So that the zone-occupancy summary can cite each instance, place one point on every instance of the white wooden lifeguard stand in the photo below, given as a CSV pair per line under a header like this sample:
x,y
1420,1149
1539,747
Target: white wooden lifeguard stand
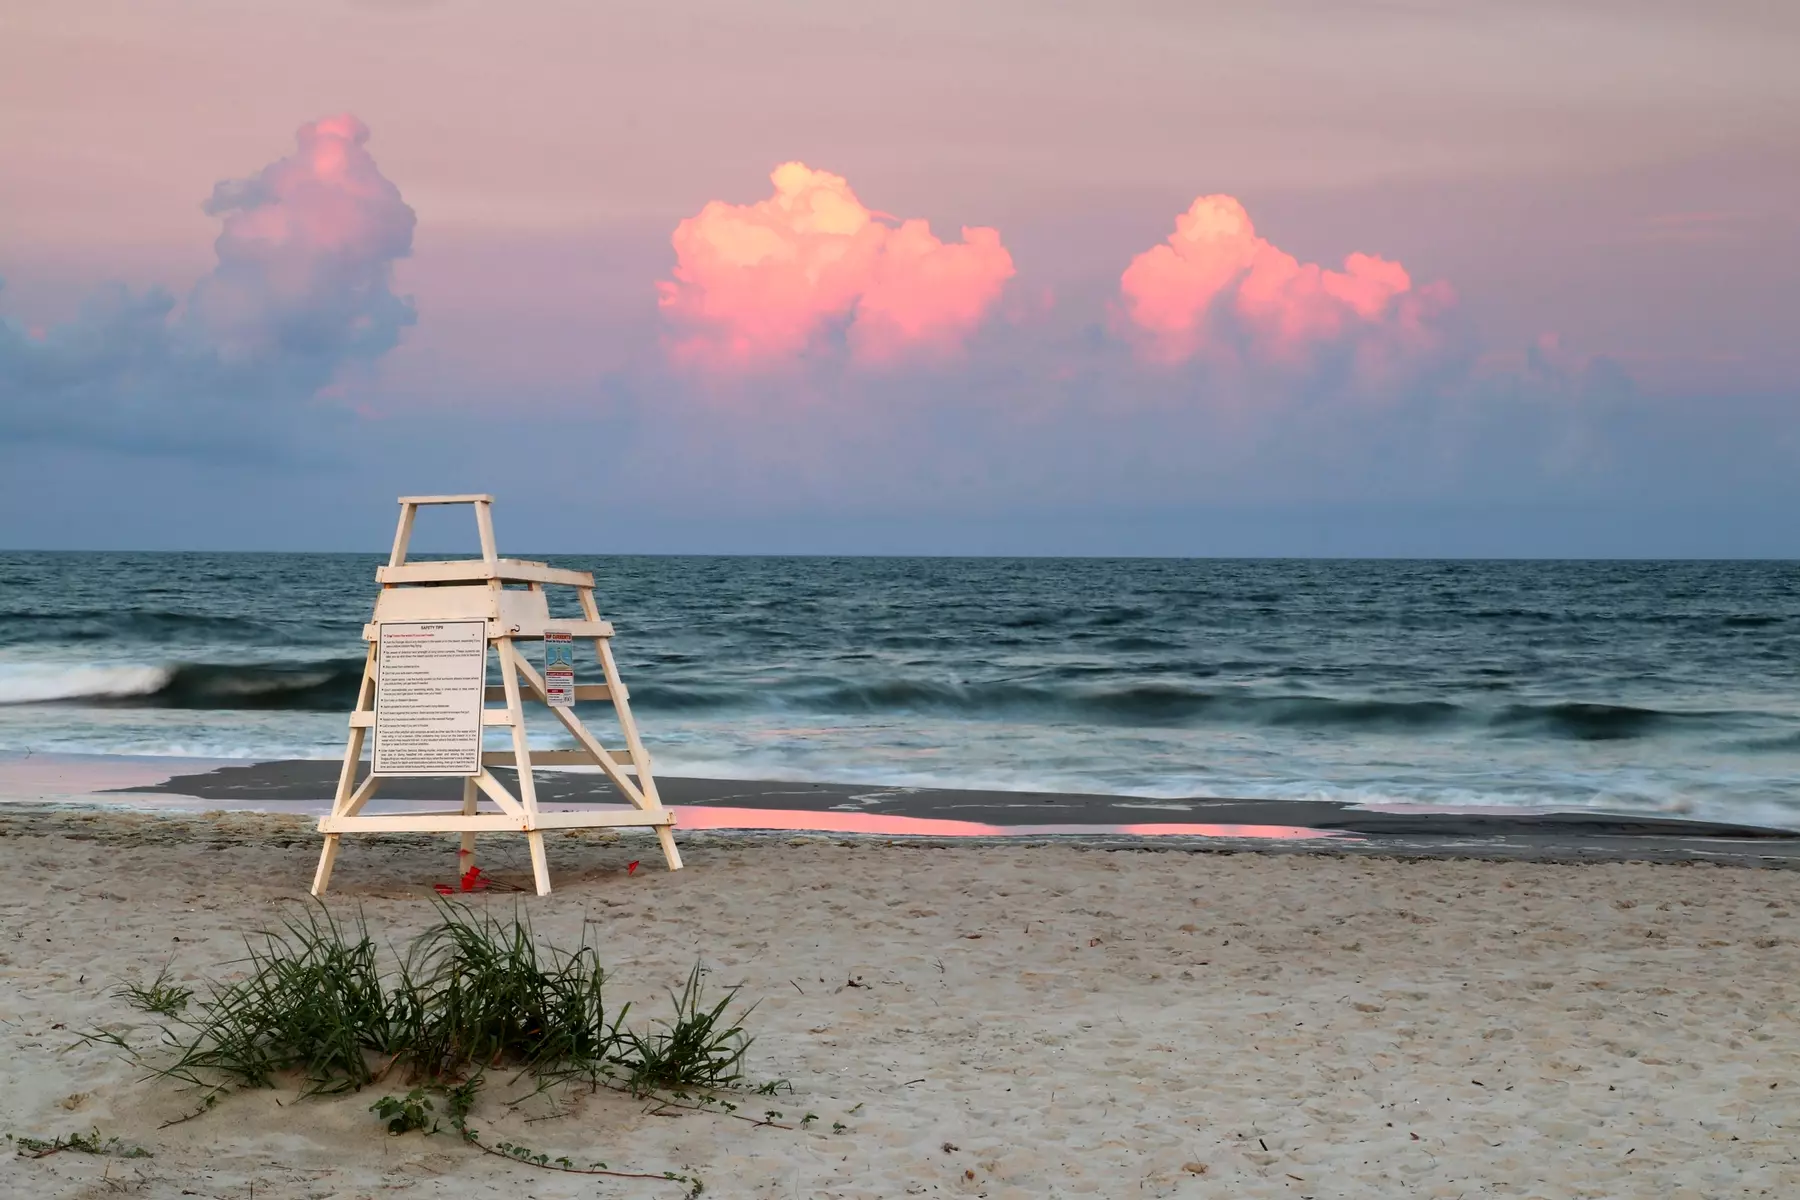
x,y
470,590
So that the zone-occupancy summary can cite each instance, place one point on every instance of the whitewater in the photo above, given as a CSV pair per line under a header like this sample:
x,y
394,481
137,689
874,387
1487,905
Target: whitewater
x,y
1629,686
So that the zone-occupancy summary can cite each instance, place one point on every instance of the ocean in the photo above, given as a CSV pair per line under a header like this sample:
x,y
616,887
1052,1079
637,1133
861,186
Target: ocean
x,y
1644,687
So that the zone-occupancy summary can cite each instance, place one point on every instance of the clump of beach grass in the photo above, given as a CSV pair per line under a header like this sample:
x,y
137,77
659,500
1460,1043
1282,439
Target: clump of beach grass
x,y
476,991
160,996
313,1001
470,994
318,1001
699,1048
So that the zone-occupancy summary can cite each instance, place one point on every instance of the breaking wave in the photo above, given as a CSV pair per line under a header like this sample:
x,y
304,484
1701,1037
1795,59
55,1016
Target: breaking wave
x,y
1161,704
315,686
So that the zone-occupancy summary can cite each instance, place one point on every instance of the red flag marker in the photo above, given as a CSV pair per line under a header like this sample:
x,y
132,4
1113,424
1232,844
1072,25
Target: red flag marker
x,y
631,868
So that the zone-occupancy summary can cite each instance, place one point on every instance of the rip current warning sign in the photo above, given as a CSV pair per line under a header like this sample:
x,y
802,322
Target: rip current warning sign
x,y
559,670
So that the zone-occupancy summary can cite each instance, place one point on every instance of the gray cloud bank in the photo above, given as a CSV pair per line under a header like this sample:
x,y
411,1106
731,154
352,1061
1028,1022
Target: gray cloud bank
x,y
301,294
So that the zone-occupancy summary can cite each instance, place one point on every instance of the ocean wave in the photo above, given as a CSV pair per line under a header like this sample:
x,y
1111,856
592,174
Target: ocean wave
x,y
129,625
1064,696
1167,704
1137,644
313,686
45,683
150,633
1592,722
1785,743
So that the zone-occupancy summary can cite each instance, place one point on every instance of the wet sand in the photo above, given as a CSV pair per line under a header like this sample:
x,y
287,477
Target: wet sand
x,y
1278,825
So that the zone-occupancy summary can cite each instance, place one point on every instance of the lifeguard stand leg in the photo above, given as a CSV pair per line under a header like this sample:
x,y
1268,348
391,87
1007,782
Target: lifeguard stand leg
x,y
540,865
353,745
646,780
465,857
327,859
515,707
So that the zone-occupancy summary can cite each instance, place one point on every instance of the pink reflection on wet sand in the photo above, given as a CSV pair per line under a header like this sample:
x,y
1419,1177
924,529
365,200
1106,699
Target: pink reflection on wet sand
x,y
1277,832
701,816
698,816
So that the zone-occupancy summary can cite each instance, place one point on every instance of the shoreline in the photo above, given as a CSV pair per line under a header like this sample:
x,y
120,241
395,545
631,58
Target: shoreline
x,y
741,808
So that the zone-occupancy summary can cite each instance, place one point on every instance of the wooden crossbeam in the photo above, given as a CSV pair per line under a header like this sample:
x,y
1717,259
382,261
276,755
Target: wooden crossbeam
x,y
454,820
583,691
554,758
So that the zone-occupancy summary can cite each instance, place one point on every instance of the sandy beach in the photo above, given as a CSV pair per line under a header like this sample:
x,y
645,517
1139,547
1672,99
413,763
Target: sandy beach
x,y
986,1020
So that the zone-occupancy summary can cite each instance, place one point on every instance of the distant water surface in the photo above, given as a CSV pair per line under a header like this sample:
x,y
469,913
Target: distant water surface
x,y
1659,687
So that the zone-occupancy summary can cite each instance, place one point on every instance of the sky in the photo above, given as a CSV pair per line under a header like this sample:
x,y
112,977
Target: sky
x,y
1307,277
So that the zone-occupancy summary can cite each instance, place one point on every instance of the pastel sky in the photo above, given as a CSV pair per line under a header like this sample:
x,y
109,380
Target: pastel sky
x,y
1146,276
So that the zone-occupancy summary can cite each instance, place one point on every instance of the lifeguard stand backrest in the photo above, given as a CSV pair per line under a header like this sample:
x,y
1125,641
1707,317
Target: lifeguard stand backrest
x,y
467,589
484,524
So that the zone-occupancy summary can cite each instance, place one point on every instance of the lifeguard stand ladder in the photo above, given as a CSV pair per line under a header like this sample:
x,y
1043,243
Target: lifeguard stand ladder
x,y
475,590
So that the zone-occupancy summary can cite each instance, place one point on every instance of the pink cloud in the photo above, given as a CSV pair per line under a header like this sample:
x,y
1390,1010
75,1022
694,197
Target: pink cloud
x,y
759,284
306,248
1217,290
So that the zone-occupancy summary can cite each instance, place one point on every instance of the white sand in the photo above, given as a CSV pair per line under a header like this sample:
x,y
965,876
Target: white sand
x,y
1034,1022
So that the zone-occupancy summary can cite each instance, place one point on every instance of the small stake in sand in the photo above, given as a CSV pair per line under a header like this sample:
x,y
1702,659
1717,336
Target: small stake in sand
x,y
424,693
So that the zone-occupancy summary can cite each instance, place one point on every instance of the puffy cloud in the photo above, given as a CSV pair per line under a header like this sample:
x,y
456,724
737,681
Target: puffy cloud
x,y
1218,291
759,284
302,290
306,253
